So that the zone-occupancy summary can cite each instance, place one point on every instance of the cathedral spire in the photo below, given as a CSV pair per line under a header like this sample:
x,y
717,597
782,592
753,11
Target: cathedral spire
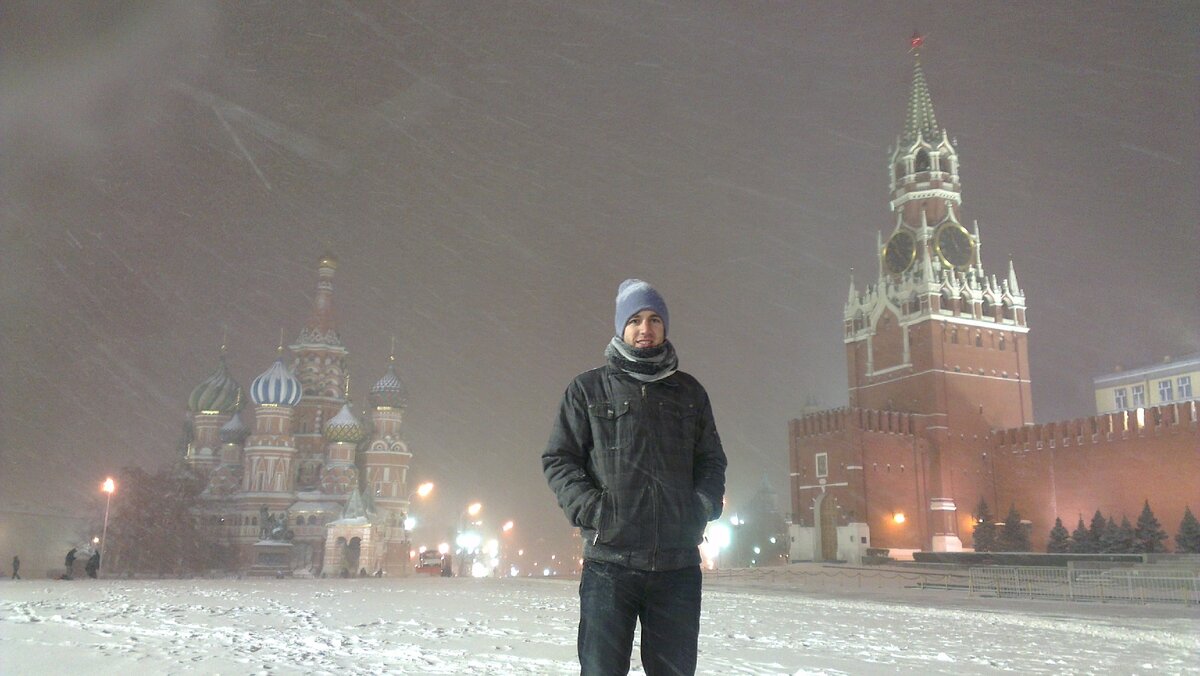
x,y
921,122
321,329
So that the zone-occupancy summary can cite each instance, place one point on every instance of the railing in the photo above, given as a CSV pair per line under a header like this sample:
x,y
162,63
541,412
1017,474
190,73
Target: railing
x,y
820,578
1137,585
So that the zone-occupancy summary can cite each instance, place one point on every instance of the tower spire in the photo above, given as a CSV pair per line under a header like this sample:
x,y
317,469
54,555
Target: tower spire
x,y
321,328
921,122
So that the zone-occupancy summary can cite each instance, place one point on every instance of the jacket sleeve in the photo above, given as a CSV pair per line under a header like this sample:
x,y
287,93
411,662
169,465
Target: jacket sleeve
x,y
708,467
564,462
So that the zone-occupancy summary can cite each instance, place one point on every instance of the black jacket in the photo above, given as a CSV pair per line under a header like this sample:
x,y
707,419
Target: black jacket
x,y
629,462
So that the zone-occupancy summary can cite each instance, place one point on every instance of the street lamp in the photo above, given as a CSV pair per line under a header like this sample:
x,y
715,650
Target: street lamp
x,y
505,566
466,540
406,523
109,486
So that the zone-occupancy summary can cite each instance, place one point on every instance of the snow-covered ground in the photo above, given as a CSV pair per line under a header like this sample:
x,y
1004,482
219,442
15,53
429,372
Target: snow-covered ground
x,y
425,625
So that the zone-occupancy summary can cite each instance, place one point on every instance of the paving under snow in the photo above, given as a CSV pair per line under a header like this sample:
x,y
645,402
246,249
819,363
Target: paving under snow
x,y
527,626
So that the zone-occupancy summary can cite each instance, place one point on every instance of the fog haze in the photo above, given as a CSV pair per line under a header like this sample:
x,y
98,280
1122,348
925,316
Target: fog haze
x,y
487,173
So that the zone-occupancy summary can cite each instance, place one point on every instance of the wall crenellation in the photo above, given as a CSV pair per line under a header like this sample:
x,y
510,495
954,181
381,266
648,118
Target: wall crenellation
x,y
1099,429
862,419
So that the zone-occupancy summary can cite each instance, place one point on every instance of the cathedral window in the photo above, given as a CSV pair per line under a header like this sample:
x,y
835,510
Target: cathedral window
x,y
1185,387
1120,399
1165,391
822,460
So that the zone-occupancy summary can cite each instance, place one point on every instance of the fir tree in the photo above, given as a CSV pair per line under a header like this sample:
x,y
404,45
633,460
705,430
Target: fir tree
x,y
1060,539
1187,540
1124,536
1110,538
984,535
1081,539
154,528
1149,535
1096,531
1014,536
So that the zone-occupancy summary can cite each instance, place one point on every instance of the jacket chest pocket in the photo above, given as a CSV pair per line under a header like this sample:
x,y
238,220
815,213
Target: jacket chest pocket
x,y
612,424
679,426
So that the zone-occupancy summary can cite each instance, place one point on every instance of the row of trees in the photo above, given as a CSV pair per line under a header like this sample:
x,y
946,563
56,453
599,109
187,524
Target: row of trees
x,y
1104,534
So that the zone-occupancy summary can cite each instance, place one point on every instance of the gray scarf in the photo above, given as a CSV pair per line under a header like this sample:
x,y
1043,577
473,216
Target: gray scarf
x,y
648,364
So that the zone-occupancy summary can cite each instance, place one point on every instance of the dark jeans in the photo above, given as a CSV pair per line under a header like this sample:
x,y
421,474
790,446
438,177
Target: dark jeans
x,y
613,598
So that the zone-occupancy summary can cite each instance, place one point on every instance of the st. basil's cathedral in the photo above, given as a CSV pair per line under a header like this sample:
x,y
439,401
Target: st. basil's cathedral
x,y
307,470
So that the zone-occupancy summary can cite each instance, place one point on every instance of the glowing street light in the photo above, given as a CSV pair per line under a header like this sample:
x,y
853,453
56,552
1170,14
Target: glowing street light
x,y
406,522
109,486
898,517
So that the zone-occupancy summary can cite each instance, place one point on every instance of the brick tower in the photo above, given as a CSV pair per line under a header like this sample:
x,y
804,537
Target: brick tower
x,y
936,358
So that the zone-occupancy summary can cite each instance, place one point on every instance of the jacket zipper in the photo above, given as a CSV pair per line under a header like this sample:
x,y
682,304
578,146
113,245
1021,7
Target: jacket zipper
x,y
657,500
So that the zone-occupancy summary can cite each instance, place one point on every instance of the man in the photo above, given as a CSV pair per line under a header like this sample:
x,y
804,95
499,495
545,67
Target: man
x,y
69,562
635,462
16,567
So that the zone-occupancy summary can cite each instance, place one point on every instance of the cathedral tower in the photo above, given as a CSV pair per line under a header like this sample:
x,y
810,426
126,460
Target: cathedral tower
x,y
212,403
269,471
386,469
319,362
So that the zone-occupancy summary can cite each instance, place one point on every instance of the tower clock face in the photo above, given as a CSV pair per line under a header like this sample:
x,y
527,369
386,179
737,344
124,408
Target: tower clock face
x,y
953,245
899,253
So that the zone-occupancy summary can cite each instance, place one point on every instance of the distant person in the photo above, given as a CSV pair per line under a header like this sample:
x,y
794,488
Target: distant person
x,y
69,562
93,565
16,567
447,567
636,463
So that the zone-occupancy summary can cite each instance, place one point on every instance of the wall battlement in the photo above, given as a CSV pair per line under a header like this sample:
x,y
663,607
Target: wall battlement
x,y
1099,429
862,419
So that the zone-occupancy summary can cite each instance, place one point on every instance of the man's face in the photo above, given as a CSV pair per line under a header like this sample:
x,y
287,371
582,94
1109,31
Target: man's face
x,y
643,330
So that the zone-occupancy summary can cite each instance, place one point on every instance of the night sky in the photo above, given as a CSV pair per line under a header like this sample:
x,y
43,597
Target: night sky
x,y
487,173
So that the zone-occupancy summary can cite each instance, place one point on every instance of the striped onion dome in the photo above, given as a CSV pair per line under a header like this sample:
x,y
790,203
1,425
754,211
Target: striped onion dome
x,y
389,391
276,386
344,427
234,431
219,392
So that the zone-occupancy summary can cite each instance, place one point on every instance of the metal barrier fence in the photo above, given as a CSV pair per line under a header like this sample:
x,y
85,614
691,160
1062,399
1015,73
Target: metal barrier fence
x,y
1087,584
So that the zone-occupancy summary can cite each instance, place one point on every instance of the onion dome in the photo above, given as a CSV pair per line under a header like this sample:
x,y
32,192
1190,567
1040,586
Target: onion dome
x,y
276,386
219,392
389,391
234,431
344,427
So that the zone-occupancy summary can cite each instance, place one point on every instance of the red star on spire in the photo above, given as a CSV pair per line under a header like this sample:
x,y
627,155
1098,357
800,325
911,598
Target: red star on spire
x,y
916,41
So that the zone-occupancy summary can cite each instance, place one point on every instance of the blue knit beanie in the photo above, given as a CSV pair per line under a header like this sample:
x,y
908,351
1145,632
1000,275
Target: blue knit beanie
x,y
633,296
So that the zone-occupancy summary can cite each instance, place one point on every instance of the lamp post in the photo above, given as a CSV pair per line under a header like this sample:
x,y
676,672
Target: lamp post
x,y
407,523
467,541
505,558
109,486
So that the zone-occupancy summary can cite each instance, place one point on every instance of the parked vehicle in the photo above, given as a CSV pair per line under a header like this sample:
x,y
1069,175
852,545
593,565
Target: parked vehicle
x,y
431,562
